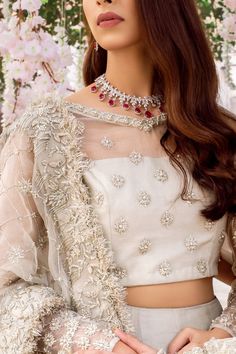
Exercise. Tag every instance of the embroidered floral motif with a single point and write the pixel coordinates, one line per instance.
(118, 181)
(144, 246)
(83, 343)
(209, 225)
(107, 142)
(191, 243)
(15, 254)
(120, 272)
(25, 186)
(167, 218)
(49, 340)
(136, 158)
(202, 266)
(165, 268)
(161, 175)
(121, 225)
(189, 197)
(222, 236)
(91, 329)
(144, 199)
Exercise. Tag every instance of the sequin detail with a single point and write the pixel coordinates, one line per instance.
(144, 199)
(202, 266)
(120, 272)
(107, 143)
(209, 225)
(189, 197)
(136, 158)
(165, 268)
(15, 254)
(191, 243)
(121, 225)
(167, 219)
(161, 175)
(222, 236)
(144, 246)
(118, 181)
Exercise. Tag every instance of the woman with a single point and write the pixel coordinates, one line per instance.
(114, 207)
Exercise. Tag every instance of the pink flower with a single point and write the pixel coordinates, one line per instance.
(32, 48)
(8, 40)
(18, 50)
(28, 5)
(49, 47)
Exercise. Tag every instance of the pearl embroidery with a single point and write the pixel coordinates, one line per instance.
(91, 329)
(161, 175)
(167, 218)
(83, 343)
(107, 142)
(15, 254)
(144, 246)
(165, 268)
(25, 186)
(209, 225)
(120, 272)
(221, 237)
(118, 181)
(49, 340)
(191, 243)
(202, 266)
(136, 157)
(189, 197)
(144, 199)
(121, 225)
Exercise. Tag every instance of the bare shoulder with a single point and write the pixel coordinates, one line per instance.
(81, 96)
(228, 117)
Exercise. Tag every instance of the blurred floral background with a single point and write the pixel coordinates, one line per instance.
(43, 42)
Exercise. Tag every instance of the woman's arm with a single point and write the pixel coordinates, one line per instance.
(33, 316)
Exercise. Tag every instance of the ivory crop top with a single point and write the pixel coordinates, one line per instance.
(156, 236)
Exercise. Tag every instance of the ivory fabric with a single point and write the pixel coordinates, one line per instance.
(60, 284)
(156, 236)
(166, 323)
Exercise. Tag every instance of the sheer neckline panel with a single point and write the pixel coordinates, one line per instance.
(145, 124)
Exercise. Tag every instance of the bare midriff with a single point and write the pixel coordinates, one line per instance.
(179, 294)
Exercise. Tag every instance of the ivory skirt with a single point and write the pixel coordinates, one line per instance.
(157, 327)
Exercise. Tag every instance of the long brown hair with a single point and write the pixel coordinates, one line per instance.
(185, 74)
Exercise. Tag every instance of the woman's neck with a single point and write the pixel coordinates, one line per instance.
(130, 71)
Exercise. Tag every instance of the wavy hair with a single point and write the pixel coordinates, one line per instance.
(198, 128)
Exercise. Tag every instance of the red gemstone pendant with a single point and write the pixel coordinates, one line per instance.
(94, 89)
(126, 106)
(148, 114)
(138, 110)
(102, 96)
(111, 102)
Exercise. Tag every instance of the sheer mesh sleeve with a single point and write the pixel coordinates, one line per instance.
(33, 317)
(227, 320)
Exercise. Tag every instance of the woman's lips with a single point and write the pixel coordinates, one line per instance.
(110, 23)
(109, 19)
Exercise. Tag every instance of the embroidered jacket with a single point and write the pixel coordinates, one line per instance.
(59, 288)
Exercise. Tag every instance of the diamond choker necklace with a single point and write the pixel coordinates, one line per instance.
(140, 105)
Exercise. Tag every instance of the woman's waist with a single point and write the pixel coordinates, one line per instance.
(177, 294)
